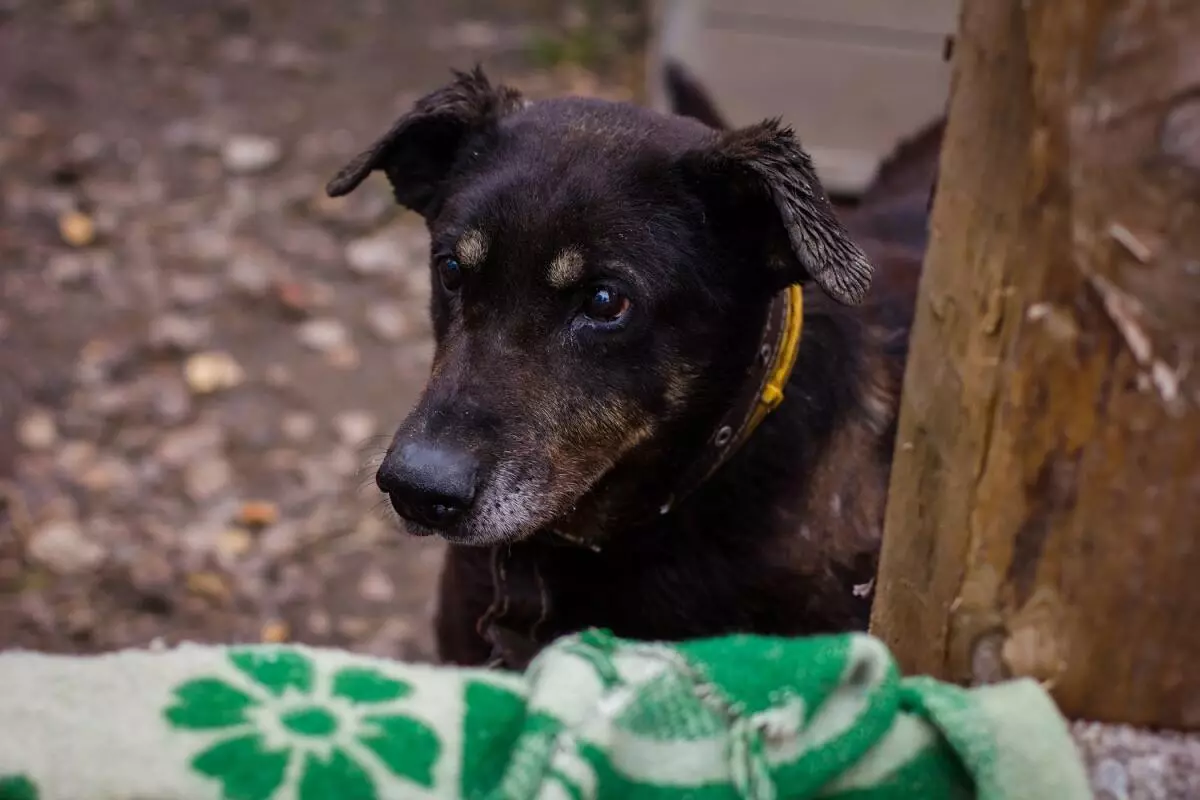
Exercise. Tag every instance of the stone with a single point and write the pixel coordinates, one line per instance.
(37, 430)
(188, 291)
(69, 269)
(234, 542)
(324, 335)
(354, 427)
(374, 255)
(206, 479)
(176, 333)
(388, 322)
(212, 371)
(108, 474)
(171, 402)
(250, 275)
(376, 587)
(249, 154)
(209, 243)
(77, 229)
(62, 547)
(185, 445)
(298, 426)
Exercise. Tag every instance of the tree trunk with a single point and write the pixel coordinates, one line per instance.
(1044, 515)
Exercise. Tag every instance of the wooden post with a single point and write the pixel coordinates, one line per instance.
(1044, 515)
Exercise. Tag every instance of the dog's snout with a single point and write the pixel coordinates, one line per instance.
(431, 485)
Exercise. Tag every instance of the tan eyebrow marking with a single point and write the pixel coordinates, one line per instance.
(566, 268)
(471, 249)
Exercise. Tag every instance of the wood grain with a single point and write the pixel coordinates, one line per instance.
(1044, 514)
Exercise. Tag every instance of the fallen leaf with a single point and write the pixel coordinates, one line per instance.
(275, 631)
(208, 584)
(258, 513)
(77, 229)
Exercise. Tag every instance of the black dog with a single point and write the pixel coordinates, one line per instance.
(616, 308)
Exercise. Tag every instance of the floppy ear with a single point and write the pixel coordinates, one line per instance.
(421, 147)
(763, 184)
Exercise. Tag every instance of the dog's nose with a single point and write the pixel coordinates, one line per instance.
(430, 485)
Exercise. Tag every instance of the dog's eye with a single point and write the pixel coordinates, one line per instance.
(450, 271)
(605, 304)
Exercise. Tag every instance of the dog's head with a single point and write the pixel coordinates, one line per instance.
(600, 277)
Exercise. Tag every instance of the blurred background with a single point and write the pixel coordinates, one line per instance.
(201, 354)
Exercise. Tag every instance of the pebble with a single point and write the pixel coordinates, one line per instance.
(77, 229)
(61, 547)
(343, 462)
(324, 335)
(171, 402)
(192, 134)
(376, 586)
(184, 445)
(354, 427)
(388, 322)
(204, 480)
(374, 255)
(248, 154)
(277, 375)
(192, 290)
(37, 430)
(212, 372)
(319, 623)
(69, 269)
(353, 627)
(209, 244)
(179, 334)
(27, 125)
(250, 275)
(298, 426)
(298, 299)
(107, 475)
(347, 358)
(74, 457)
(234, 542)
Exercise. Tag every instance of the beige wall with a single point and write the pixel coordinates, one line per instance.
(852, 76)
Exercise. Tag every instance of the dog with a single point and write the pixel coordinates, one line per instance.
(658, 402)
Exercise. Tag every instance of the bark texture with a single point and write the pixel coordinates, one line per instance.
(1044, 514)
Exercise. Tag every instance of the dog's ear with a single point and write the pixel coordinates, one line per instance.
(421, 147)
(759, 181)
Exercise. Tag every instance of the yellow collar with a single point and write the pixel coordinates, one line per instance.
(771, 394)
(760, 394)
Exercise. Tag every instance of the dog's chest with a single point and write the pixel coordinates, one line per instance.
(540, 593)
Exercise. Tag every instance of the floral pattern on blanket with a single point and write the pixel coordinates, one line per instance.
(285, 729)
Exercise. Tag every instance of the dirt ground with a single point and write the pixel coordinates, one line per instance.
(200, 355)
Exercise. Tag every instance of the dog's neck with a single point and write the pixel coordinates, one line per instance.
(759, 393)
(807, 461)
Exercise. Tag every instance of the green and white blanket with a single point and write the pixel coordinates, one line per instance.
(593, 717)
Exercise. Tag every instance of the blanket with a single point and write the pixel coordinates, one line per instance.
(594, 716)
